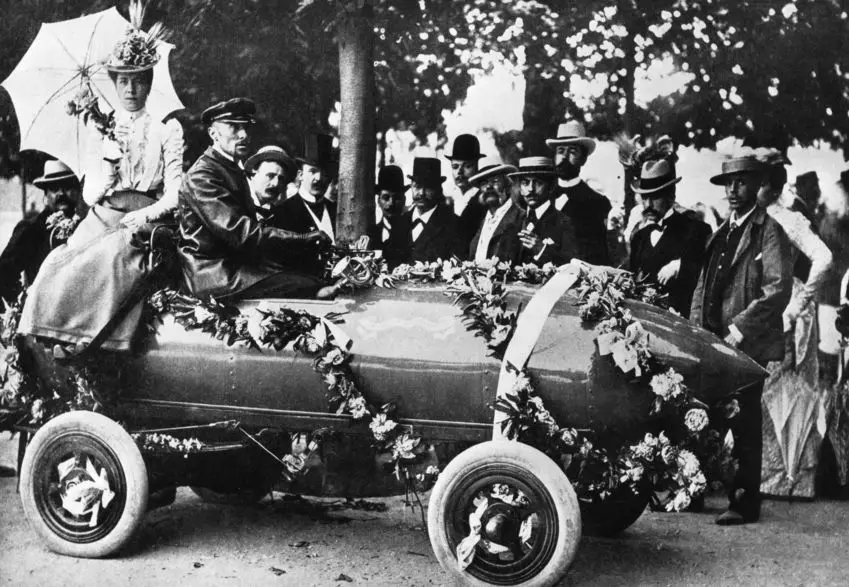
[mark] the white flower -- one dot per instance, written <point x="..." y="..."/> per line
<point x="202" y="314"/>
<point x="688" y="464"/>
<point x="696" y="419"/>
<point x="358" y="407"/>
<point x="381" y="426"/>
<point x="633" y="474"/>
<point x="680" y="502"/>
<point x="668" y="454"/>
<point x="667" y="385"/>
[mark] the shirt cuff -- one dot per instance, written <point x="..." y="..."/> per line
<point x="735" y="332"/>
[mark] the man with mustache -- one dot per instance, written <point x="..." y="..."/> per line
<point x="668" y="249"/>
<point x="498" y="234"/>
<point x="269" y="171"/>
<point x="468" y="207"/>
<point x="547" y="236"/>
<point x="30" y="241"/>
<point x="585" y="207"/>
<point x="390" y="189"/>
<point x="225" y="251"/>
<point x="743" y="288"/>
<point x="430" y="231"/>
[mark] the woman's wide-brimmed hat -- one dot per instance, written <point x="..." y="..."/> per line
<point x="572" y="133"/>
<point x="539" y="166"/>
<point x="466" y="148"/>
<point x="275" y="154"/>
<point x="489" y="167"/>
<point x="737" y="165"/>
<point x="54" y="172"/>
<point x="138" y="50"/>
<point x="654" y="177"/>
<point x="427" y="171"/>
<point x="391" y="178"/>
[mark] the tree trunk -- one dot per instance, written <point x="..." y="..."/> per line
<point x="628" y="119"/>
<point x="357" y="129"/>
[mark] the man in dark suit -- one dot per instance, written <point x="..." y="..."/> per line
<point x="468" y="207"/>
<point x="309" y="210"/>
<point x="669" y="249"/>
<point x="547" y="236"/>
<point x="225" y="251"/>
<point x="390" y="190"/>
<point x="30" y="241"/>
<point x="430" y="231"/>
<point x="270" y="170"/>
<point x="585" y="207"/>
<point x="498" y="233"/>
<point x="743" y="288"/>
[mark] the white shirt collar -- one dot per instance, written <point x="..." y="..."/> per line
<point x="500" y="211"/>
<point x="569" y="183"/>
<point x="540" y="210"/>
<point x="735" y="222"/>
<point x="425" y="216"/>
<point x="308" y="197"/>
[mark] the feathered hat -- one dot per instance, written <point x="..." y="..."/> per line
<point x="637" y="151"/>
<point x="137" y="51"/>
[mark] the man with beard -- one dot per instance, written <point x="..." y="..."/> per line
<point x="585" y="207"/>
<point x="269" y="171"/>
<point x="465" y="157"/>
<point x="429" y="231"/>
<point x="743" y="288"/>
<point x="225" y="251"/>
<point x="547" y="236"/>
<point x="669" y="248"/>
<point x="390" y="190"/>
<point x="309" y="210"/>
<point x="498" y="234"/>
<point x="30" y="240"/>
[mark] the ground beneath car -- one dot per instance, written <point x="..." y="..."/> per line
<point x="281" y="542"/>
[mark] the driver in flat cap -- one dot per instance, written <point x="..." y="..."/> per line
<point x="225" y="251"/>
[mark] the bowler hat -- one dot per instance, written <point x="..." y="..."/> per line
<point x="737" y="165"/>
<point x="807" y="178"/>
<point x="654" y="177"/>
<point x="539" y="166"/>
<point x="239" y="110"/>
<point x="427" y="171"/>
<point x="271" y="153"/>
<point x="572" y="133"/>
<point x="391" y="178"/>
<point x="466" y="148"/>
<point x="489" y="167"/>
<point x="54" y="172"/>
<point x="318" y="151"/>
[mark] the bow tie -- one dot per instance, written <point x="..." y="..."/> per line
<point x="418" y="222"/>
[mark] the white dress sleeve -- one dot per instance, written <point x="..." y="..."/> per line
<point x="172" y="171"/>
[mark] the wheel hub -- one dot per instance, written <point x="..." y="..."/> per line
<point x="500" y="524"/>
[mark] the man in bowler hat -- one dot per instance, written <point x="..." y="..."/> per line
<point x="585" y="207"/>
<point x="465" y="159"/>
<point x="743" y="288"/>
<point x="225" y="251"/>
<point x="269" y="171"/>
<point x="669" y="248"/>
<point x="390" y="190"/>
<point x="429" y="231"/>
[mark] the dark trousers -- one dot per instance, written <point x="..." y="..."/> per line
<point x="748" y="450"/>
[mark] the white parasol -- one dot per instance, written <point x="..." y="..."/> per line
<point x="66" y="58"/>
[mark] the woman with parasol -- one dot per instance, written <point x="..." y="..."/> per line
<point x="133" y="178"/>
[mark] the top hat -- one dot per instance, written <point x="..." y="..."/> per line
<point x="490" y="167"/>
<point x="275" y="154"/>
<point x="539" y="166"/>
<point x="318" y="151"/>
<point x="391" y="178"/>
<point x="737" y="165"/>
<point x="427" y="171"/>
<point x="809" y="177"/>
<point x="572" y="133"/>
<point x="54" y="172"/>
<point x="466" y="148"/>
<point x="239" y="110"/>
<point x="654" y="177"/>
<point x="138" y="50"/>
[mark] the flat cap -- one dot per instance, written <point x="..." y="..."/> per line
<point x="241" y="110"/>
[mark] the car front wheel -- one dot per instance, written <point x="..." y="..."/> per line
<point x="508" y="512"/>
<point x="84" y="485"/>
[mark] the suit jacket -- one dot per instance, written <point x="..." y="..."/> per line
<point x="588" y="210"/>
<point x="440" y="239"/>
<point x="504" y="243"/>
<point x="471" y="217"/>
<point x="556" y="226"/>
<point x="758" y="287"/>
<point x="683" y="238"/>
<point x="223" y="247"/>
<point x="24" y="253"/>
<point x="292" y="214"/>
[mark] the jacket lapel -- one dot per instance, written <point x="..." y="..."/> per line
<point x="509" y="218"/>
<point x="757" y="218"/>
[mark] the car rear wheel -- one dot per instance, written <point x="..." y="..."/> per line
<point x="84" y="485"/>
<point x="528" y="514"/>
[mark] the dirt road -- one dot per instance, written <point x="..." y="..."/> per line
<point x="280" y="543"/>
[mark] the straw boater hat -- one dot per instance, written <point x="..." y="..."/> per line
<point x="572" y="133"/>
<point x="654" y="177"/>
<point x="391" y="178"/>
<point x="275" y="154"/>
<point x="137" y="51"/>
<point x="489" y="167"/>
<point x="427" y="171"/>
<point x="54" y="172"/>
<point x="539" y="166"/>
<point x="466" y="148"/>
<point x="737" y="165"/>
